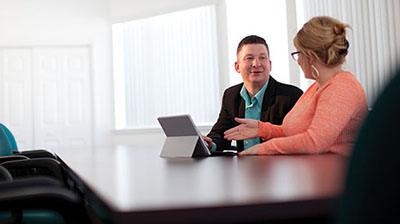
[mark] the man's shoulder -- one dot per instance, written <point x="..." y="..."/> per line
<point x="231" y="95"/>
<point x="282" y="88"/>
<point x="234" y="89"/>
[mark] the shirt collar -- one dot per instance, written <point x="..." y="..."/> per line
<point x="256" y="99"/>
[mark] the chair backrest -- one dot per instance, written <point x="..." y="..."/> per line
<point x="10" y="137"/>
<point x="5" y="147"/>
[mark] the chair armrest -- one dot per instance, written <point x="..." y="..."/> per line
<point x="35" y="167"/>
<point x="12" y="158"/>
<point x="23" y="183"/>
<point x="37" y="153"/>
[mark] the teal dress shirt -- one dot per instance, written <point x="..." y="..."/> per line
<point x="252" y="111"/>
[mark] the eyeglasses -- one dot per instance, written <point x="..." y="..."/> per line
<point x="295" y="55"/>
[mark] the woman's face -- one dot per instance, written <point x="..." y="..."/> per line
<point x="304" y="64"/>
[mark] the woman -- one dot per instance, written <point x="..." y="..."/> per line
<point x="327" y="116"/>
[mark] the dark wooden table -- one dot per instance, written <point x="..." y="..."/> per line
<point x="136" y="185"/>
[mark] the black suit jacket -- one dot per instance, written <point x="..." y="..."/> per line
<point x="278" y="100"/>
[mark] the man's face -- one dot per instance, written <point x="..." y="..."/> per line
<point x="253" y="64"/>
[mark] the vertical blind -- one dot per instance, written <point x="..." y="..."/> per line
<point x="374" y="52"/>
<point x="169" y="66"/>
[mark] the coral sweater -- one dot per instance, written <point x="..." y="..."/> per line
<point x="324" y="119"/>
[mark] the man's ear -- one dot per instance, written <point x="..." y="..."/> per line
<point x="270" y="65"/>
<point x="237" y="67"/>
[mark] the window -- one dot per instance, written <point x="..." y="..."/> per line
<point x="166" y="65"/>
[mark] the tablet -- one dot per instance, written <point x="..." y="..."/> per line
<point x="183" y="125"/>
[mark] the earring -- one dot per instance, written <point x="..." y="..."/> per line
<point x="316" y="71"/>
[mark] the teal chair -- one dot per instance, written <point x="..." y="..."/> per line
<point x="8" y="146"/>
<point x="10" y="137"/>
<point x="6" y="153"/>
<point x="5" y="146"/>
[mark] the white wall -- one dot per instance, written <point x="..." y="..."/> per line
<point x="126" y="10"/>
<point x="67" y="22"/>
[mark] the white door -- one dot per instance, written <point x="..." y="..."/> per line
<point x="59" y="96"/>
<point x="16" y="94"/>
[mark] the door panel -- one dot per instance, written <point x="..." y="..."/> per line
<point x="62" y="89"/>
<point x="16" y="94"/>
<point x="46" y="96"/>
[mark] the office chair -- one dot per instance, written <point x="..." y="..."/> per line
<point x="12" y="158"/>
<point x="5" y="147"/>
<point x="37" y="191"/>
<point x="372" y="190"/>
<point x="6" y="153"/>
<point x="12" y="149"/>
<point x="36" y="167"/>
<point x="10" y="137"/>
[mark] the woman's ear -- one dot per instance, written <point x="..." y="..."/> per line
<point x="310" y="57"/>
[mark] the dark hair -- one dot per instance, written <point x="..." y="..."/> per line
<point x="252" y="39"/>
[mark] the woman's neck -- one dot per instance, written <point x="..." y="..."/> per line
<point x="325" y="73"/>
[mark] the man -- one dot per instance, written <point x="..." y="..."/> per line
<point x="259" y="97"/>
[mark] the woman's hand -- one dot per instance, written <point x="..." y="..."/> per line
<point x="250" y="151"/>
<point x="254" y="151"/>
<point x="247" y="129"/>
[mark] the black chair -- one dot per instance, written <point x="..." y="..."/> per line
<point x="36" y="167"/>
<point x="36" y="153"/>
<point x="12" y="158"/>
<point x="38" y="191"/>
<point x="372" y="190"/>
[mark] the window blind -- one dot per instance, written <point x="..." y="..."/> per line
<point x="374" y="52"/>
<point x="167" y="65"/>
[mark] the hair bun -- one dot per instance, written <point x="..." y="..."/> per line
<point x="347" y="45"/>
<point x="339" y="29"/>
<point x="325" y="38"/>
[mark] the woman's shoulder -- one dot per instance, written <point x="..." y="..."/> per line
<point x="344" y="83"/>
<point x="342" y="77"/>
<point x="344" y="80"/>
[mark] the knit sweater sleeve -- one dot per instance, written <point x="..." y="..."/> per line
<point x="336" y="104"/>
<point x="267" y="130"/>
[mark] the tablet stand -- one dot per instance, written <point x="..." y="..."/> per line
<point x="182" y="146"/>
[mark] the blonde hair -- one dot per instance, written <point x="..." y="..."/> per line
<point x="325" y="38"/>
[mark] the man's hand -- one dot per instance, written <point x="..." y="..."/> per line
<point x="208" y="141"/>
